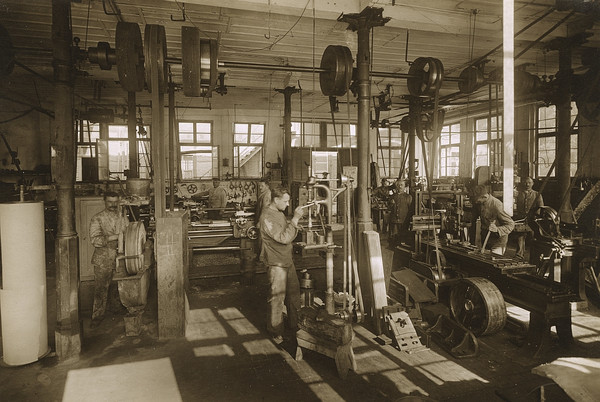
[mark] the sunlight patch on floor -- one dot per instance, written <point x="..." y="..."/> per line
<point x="261" y="347"/>
<point x="202" y="325"/>
<point x="313" y="380"/>
<point x="238" y="321"/>
<point x="214" y="351"/>
<point x="150" y="380"/>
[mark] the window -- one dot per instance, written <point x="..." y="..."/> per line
<point x="118" y="152"/>
<point x="199" y="159"/>
<point x="488" y="143"/>
<point x="389" y="155"/>
<point x="344" y="136"/>
<point x="305" y="135"/>
<point x="248" y="140"/>
<point x="546" y="139"/>
<point x="449" y="150"/>
<point x="87" y="151"/>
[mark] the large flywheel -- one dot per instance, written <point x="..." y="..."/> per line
<point x="135" y="237"/>
<point x="478" y="305"/>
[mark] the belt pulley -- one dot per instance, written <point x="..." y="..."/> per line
<point x="338" y="63"/>
<point x="155" y="51"/>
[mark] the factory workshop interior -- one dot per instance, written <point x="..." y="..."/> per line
<point x="300" y="200"/>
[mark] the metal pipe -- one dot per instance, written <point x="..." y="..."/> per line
<point x="302" y="69"/>
<point x="172" y="157"/>
<point x="287" y="128"/>
<point x="542" y="36"/>
<point x="363" y="60"/>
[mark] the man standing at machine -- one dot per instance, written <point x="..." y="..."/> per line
<point x="400" y="204"/>
<point x="276" y="253"/>
<point x="527" y="200"/>
<point x="105" y="228"/>
<point x="263" y="198"/>
<point x="495" y="223"/>
<point x="217" y="198"/>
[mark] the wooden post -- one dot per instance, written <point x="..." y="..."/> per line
<point x="172" y="266"/>
<point x="67" y="333"/>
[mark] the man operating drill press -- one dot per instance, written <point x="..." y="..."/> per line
<point x="276" y="253"/>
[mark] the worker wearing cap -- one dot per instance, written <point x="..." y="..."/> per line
<point x="276" y="253"/>
<point x="495" y="223"/>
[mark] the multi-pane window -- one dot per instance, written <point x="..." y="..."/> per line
<point x="449" y="150"/>
<point x="87" y="150"/>
<point x="248" y="140"/>
<point x="546" y="139"/>
<point x="389" y="154"/>
<point x="305" y="135"/>
<point x="488" y="142"/>
<point x="199" y="159"/>
<point x="343" y="136"/>
<point x="97" y="159"/>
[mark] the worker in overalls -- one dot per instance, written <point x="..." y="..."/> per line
<point x="277" y="236"/>
<point x="105" y="228"/>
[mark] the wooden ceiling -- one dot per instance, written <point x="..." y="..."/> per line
<point x="289" y="32"/>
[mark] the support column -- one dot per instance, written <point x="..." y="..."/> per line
<point x="67" y="333"/>
<point x="563" y="134"/>
<point x="362" y="23"/>
<point x="508" y="137"/>
<point x="132" y="135"/>
<point x="287" y="130"/>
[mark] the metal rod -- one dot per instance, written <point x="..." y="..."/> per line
<point x="302" y="69"/>
<point x="526" y="27"/>
<point x="532" y="44"/>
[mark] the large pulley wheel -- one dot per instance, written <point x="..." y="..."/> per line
<point x="199" y="63"/>
<point x="426" y="129"/>
<point x="426" y="76"/>
<point x="478" y="305"/>
<point x="155" y="53"/>
<point x="135" y="237"/>
<point x="338" y="63"/>
<point x="7" y="53"/>
<point x="130" y="56"/>
<point x="471" y="79"/>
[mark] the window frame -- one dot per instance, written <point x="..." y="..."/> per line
<point x="550" y="132"/>
<point x="388" y="137"/>
<point x="202" y="147"/>
<point x="449" y="130"/>
<point x="238" y="144"/>
<point x="492" y="141"/>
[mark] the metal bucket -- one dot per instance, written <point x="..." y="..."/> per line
<point x="139" y="187"/>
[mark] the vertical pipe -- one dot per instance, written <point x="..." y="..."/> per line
<point x="172" y="156"/>
<point x="509" y="104"/>
<point x="287" y="130"/>
<point x="67" y="333"/>
<point x="411" y="157"/>
<point x="563" y="135"/>
<point x="364" y="104"/>
<point x="132" y="134"/>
